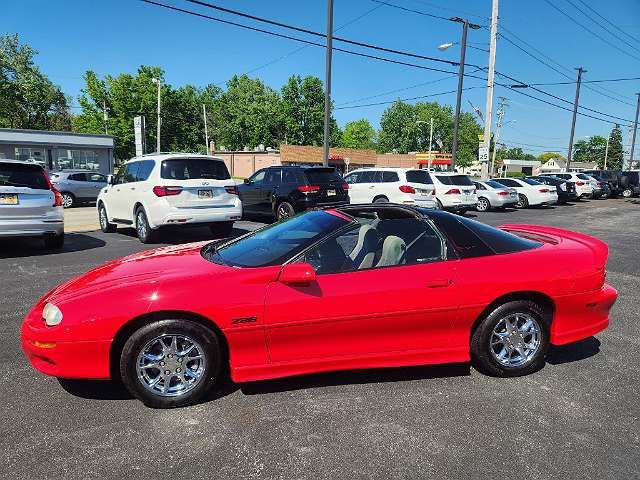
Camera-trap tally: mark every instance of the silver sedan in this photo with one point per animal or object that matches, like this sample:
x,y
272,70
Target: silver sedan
x,y
492,194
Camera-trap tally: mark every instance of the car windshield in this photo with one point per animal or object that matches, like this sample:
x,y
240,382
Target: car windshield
x,y
494,184
322,175
194,168
21,175
276,243
582,176
418,176
455,180
531,181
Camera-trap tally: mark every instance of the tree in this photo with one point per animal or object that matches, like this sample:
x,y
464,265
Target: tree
x,y
514,153
359,134
398,129
28,99
590,150
616,151
546,156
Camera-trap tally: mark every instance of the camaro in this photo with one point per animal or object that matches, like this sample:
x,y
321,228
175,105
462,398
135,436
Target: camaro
x,y
359,286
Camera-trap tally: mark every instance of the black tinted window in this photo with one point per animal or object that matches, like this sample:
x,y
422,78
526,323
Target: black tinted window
x,y
389,177
419,176
479,186
367,177
128,174
290,176
462,180
508,182
494,184
276,243
194,168
498,240
20,175
144,170
530,181
316,176
464,241
273,176
78,177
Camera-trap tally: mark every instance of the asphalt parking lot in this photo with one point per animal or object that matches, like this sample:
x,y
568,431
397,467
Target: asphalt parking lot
x,y
577,418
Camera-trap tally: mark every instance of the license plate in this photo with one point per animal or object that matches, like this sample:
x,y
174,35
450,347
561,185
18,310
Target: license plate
x,y
205,193
331,193
8,199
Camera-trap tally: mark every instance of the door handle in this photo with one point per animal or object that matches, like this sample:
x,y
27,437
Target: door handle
x,y
133,188
439,283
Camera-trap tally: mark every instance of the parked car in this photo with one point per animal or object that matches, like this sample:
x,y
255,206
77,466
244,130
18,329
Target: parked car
x,y
153,191
584,189
565,189
30,206
352,287
77,186
600,189
492,194
454,191
630,182
531,193
287,190
407,186
612,177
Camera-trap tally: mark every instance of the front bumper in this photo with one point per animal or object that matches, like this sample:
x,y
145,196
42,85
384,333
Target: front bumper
x,y
582,315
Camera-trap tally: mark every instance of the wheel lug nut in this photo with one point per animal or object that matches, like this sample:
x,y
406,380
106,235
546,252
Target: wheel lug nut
x,y
179,360
178,370
167,372
162,364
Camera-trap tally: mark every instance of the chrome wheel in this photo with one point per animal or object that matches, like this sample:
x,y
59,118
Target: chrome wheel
x,y
483,205
515,339
285,210
67,200
141,225
104,223
171,365
627,193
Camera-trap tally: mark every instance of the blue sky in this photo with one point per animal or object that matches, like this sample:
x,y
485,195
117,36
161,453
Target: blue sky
x,y
114,36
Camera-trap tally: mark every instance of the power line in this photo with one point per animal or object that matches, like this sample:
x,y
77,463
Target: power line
x,y
405,99
456,11
609,22
411,10
586,81
597,35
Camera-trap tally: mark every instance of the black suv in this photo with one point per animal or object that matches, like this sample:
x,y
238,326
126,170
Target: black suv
x,y
630,183
611,177
285,191
566,189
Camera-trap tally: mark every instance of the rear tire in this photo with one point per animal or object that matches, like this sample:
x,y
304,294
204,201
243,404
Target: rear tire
x,y
483,205
68,200
627,193
54,241
221,228
144,231
150,354
284,210
439,205
523,201
497,352
105,226
381,199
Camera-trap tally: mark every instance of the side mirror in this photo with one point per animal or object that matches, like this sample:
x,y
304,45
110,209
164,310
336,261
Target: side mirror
x,y
297,274
111,179
247,181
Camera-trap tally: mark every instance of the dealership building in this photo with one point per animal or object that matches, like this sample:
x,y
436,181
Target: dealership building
x,y
58,150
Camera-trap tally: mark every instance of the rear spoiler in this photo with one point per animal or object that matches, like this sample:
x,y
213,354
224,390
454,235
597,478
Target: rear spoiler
x,y
598,247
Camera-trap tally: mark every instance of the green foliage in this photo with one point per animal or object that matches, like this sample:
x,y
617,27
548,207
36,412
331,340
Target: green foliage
x,y
616,151
515,153
28,99
359,134
590,150
546,156
302,111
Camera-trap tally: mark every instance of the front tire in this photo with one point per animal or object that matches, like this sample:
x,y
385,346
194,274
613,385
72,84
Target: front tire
x,y
511,341
171,363
105,226
483,205
144,231
523,201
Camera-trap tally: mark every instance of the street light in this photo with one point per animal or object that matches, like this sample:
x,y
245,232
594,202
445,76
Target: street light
x,y
158,82
448,45
463,50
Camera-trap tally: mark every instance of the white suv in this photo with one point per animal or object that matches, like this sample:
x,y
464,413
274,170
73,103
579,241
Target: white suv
x,y
454,191
170,189
408,186
584,188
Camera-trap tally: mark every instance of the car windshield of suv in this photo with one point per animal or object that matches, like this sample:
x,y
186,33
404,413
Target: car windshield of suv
x,y
531,181
20,175
317,176
194,168
419,176
455,180
494,184
276,243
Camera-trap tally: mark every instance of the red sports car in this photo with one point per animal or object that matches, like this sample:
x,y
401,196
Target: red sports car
x,y
344,288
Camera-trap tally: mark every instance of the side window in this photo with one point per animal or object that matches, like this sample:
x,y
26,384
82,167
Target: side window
x,y
368,176
289,176
128,174
509,183
273,176
78,177
258,177
144,170
386,243
352,178
96,177
463,241
389,177
479,186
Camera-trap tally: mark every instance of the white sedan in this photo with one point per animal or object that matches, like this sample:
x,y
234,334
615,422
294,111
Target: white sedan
x,y
530,192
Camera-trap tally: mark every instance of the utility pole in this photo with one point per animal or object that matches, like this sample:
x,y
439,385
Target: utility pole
x,y
573,121
430,143
158,82
206,132
105,117
500,113
463,51
327,85
486,139
633,137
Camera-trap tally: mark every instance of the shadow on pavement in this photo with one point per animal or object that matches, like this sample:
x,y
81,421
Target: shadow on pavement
x,y
95,389
31,247
574,352
177,236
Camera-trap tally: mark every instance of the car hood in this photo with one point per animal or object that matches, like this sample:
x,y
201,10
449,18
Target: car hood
x,y
149,268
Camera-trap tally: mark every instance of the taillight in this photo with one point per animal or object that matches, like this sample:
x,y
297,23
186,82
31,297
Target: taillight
x,y
579,184
231,189
57,197
308,188
453,191
503,193
407,189
161,191
345,186
544,190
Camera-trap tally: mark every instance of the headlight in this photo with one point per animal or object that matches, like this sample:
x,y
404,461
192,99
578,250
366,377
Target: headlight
x,y
51,315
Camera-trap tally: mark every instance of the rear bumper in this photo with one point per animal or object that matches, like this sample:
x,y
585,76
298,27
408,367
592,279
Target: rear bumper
x,y
582,315
28,227
456,203
308,203
183,216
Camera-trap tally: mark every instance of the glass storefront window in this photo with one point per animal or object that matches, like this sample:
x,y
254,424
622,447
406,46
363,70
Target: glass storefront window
x,y
85,159
37,155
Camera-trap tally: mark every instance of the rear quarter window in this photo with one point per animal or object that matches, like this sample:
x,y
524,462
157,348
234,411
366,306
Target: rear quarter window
x,y
21,175
498,240
460,180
